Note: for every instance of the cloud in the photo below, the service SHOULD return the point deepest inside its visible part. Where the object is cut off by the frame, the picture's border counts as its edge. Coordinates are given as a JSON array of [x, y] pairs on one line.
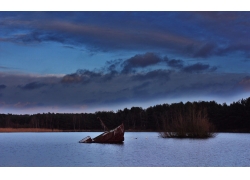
[[150, 78], [81, 75], [174, 63], [192, 34], [6, 68], [72, 78], [140, 61], [234, 48], [139, 68], [150, 59], [69, 47], [2, 86], [32, 86], [121, 89], [38, 36], [3, 67], [198, 67], [154, 75], [113, 65], [206, 50], [99, 35]]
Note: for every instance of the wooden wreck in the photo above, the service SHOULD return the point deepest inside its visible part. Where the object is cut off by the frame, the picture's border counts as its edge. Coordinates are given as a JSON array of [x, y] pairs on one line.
[[113, 136]]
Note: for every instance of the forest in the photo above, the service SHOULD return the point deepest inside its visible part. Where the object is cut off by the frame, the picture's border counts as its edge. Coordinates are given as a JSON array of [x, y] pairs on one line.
[[225, 118]]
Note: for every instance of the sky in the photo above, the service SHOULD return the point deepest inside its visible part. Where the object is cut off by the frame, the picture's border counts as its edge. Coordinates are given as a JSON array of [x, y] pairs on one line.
[[88, 61]]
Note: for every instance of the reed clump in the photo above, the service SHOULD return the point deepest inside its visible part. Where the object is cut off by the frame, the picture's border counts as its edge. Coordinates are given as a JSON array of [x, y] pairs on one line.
[[187, 122]]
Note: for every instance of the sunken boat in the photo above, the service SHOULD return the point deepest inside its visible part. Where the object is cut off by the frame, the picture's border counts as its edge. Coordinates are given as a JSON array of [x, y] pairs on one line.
[[111, 136]]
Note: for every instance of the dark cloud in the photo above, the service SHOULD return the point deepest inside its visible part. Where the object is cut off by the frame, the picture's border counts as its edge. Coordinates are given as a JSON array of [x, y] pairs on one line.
[[113, 65], [212, 69], [120, 89], [72, 78], [233, 48], [173, 31], [81, 76], [202, 50], [193, 68], [136, 67], [29, 38], [206, 50], [2, 86], [140, 61], [109, 76], [155, 75], [197, 68], [3, 67], [32, 86], [39, 36], [69, 47], [139, 78], [174, 63], [99, 35], [7, 68]]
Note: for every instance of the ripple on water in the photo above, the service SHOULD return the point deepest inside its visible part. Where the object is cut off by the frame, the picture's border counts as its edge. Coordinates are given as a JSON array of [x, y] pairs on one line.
[[143, 149]]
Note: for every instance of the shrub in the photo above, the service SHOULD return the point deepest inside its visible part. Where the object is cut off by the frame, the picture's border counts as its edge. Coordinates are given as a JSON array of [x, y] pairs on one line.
[[186, 122]]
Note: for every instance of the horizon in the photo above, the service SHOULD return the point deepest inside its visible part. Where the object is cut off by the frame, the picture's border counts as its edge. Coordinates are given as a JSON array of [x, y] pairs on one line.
[[89, 61]]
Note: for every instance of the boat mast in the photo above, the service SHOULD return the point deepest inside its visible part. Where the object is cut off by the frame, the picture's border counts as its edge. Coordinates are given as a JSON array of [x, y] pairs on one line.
[[103, 125]]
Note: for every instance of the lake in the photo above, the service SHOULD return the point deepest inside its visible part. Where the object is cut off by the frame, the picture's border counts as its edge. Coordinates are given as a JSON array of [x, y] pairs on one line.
[[140, 149]]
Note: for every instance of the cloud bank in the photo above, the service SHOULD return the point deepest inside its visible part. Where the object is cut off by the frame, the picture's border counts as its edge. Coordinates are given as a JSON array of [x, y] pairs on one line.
[[192, 34], [121, 59], [134, 80]]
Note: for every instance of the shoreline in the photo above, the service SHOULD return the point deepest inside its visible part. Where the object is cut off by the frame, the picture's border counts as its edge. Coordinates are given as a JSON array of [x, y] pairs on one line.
[[9, 130], [4, 130]]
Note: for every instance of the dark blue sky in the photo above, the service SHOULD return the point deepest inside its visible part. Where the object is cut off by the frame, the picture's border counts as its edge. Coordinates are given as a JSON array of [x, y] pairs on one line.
[[89, 61]]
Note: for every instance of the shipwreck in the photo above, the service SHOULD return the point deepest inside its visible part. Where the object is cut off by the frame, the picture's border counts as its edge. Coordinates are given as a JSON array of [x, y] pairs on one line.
[[109, 136]]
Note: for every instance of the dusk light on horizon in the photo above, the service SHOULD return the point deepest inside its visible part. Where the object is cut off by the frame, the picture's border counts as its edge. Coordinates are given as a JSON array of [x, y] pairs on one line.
[[77, 62]]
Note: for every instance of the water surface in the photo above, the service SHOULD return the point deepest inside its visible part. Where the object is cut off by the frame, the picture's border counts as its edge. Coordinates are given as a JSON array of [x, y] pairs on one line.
[[140, 149]]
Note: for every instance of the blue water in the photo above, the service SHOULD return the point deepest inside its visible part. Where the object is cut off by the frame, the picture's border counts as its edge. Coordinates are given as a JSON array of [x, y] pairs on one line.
[[140, 149]]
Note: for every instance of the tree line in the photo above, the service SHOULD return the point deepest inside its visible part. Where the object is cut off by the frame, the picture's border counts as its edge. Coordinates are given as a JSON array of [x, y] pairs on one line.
[[225, 118]]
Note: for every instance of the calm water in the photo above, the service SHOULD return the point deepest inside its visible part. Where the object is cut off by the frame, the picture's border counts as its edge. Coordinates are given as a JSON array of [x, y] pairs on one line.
[[139, 149]]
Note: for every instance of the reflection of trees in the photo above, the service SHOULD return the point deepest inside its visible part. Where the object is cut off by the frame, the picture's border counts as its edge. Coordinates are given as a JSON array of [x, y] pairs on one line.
[[234, 117]]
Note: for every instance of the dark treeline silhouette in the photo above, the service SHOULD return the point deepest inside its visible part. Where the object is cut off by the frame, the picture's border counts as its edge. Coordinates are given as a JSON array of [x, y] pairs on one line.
[[225, 118]]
